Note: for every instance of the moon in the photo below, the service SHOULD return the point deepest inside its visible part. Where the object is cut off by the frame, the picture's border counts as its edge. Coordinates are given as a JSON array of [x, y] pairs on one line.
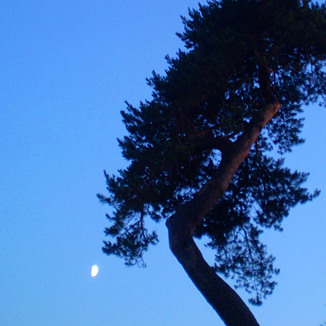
[[94, 270]]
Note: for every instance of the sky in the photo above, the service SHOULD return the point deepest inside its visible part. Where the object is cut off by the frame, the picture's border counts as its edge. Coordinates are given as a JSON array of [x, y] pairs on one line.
[[66, 68]]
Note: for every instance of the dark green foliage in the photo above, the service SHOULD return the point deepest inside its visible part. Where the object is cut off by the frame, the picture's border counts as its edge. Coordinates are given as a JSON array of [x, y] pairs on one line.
[[240, 55], [260, 196]]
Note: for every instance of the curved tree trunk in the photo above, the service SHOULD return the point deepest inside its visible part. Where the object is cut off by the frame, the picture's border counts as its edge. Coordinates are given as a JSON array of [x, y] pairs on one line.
[[226, 302], [183, 223]]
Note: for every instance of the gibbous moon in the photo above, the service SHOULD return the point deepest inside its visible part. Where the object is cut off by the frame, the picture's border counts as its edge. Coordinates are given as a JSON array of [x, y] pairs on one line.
[[94, 270]]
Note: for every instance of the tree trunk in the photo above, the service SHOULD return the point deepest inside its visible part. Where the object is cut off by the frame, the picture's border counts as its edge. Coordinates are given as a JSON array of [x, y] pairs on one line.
[[183, 223], [229, 306]]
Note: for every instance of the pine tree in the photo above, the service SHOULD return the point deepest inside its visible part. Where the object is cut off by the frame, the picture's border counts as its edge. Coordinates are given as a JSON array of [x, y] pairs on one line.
[[202, 151]]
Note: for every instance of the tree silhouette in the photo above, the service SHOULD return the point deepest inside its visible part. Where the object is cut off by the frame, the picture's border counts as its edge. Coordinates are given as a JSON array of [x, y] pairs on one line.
[[202, 150]]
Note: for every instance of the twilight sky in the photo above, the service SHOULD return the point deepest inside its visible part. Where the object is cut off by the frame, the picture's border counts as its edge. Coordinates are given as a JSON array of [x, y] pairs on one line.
[[66, 69]]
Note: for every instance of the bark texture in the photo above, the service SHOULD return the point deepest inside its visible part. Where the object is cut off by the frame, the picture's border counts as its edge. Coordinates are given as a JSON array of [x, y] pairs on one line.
[[224, 300]]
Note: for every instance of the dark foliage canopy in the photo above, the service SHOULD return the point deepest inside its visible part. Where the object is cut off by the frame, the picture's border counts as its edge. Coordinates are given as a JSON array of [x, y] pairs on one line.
[[238, 56]]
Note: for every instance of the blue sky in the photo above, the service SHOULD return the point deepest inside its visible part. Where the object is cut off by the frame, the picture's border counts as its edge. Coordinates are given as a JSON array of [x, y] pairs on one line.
[[66, 68]]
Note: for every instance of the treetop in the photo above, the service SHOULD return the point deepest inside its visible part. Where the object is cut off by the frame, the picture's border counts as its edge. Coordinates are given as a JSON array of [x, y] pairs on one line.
[[238, 56]]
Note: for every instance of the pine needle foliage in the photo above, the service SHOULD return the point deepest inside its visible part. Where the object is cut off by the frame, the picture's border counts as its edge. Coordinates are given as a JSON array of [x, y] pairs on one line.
[[239, 55]]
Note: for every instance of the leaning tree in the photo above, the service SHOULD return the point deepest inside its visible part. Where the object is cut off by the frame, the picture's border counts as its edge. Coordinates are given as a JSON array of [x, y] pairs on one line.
[[206, 150]]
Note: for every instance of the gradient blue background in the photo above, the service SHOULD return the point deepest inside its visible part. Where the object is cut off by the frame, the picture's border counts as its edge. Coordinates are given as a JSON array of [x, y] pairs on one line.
[[66, 68]]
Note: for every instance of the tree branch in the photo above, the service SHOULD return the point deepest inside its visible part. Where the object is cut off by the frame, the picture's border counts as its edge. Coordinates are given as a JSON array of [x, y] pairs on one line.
[[183, 223], [265, 79]]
